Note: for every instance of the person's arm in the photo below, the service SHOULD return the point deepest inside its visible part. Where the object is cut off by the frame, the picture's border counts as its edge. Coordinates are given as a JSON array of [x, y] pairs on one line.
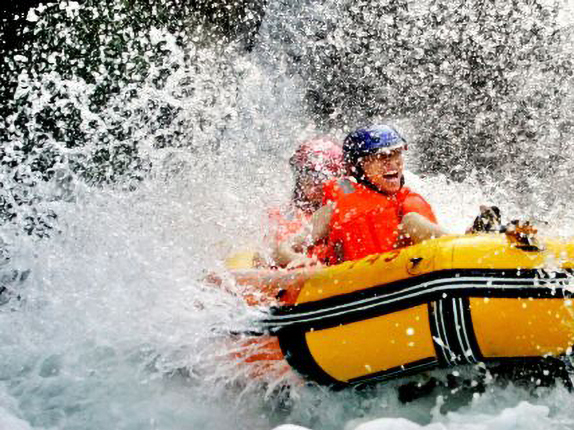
[[418, 228], [293, 249]]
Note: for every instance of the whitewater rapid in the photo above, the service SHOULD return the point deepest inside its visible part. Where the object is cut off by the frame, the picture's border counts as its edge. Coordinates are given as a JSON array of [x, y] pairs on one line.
[[108, 322], [116, 329]]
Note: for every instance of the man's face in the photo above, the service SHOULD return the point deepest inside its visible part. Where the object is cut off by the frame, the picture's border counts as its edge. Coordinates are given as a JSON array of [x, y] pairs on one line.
[[384, 170]]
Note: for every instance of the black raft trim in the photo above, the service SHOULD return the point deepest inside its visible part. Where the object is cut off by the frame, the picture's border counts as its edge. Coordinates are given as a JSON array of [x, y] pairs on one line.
[[404, 294], [453, 333], [296, 352], [467, 321]]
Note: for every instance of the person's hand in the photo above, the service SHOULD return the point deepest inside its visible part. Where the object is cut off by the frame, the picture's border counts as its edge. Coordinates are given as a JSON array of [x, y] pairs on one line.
[[489, 220]]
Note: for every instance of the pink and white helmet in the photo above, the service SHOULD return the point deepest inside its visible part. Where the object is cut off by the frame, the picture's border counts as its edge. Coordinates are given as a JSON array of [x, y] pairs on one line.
[[320, 155]]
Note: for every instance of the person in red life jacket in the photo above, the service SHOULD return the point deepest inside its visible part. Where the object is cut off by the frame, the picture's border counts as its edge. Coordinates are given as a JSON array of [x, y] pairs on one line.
[[370, 211], [313, 163]]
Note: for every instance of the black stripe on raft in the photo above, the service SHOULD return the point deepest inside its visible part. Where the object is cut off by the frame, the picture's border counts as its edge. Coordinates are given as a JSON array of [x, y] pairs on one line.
[[457, 328], [439, 341], [542, 276], [469, 330], [446, 318], [392, 297], [451, 329], [536, 277]]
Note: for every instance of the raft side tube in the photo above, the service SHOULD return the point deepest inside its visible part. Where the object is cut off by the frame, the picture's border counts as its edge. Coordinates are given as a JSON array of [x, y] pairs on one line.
[[442, 303]]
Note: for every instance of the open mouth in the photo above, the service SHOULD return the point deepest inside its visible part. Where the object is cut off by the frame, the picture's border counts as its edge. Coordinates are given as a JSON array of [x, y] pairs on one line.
[[391, 175]]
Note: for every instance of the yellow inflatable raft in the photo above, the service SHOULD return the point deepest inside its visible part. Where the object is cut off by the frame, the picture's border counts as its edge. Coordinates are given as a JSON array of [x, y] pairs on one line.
[[446, 302]]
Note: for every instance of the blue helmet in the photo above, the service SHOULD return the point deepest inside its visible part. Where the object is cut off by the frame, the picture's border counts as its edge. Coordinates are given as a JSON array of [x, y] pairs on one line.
[[369, 140]]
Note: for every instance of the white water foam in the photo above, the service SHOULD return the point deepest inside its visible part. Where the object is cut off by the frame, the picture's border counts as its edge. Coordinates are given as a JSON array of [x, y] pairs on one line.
[[115, 327]]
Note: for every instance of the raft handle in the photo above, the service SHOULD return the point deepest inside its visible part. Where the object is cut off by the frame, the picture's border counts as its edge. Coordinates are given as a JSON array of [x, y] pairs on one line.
[[416, 261]]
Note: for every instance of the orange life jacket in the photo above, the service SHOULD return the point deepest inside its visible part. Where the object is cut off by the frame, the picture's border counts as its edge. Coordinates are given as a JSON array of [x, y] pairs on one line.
[[367, 222], [290, 221]]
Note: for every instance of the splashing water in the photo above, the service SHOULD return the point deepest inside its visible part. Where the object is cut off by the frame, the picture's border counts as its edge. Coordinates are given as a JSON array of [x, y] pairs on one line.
[[140, 148]]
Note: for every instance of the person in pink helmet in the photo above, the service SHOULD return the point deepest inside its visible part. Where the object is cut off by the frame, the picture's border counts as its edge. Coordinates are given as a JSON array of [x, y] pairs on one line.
[[314, 162]]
